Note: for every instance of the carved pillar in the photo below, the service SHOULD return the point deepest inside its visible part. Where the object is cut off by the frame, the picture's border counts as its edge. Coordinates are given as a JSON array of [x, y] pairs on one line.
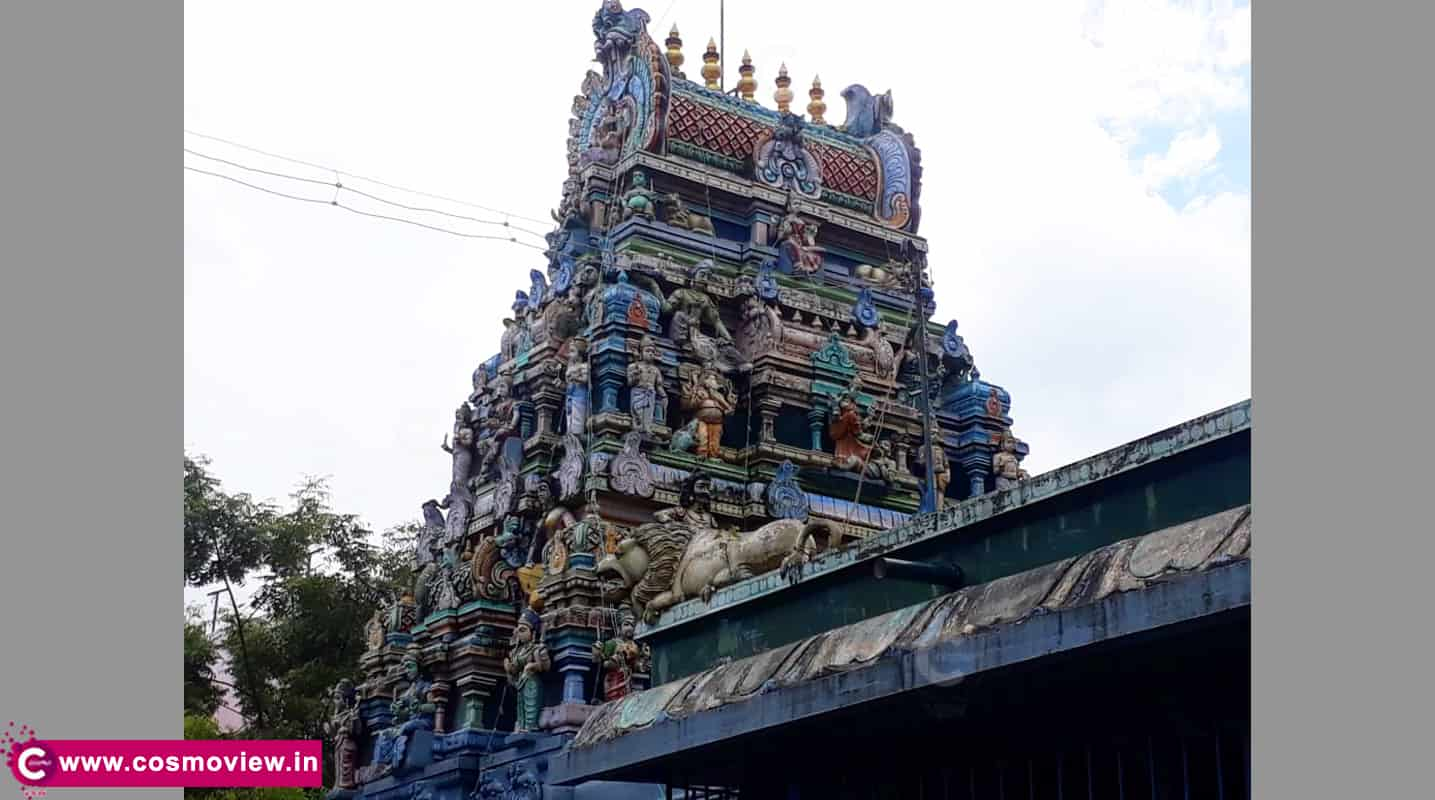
[[902, 448], [548, 401], [438, 695], [816, 417], [525, 419], [977, 467], [767, 410], [475, 689]]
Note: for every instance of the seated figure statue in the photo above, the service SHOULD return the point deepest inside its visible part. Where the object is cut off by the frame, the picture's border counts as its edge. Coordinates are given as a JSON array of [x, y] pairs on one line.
[[413, 711]]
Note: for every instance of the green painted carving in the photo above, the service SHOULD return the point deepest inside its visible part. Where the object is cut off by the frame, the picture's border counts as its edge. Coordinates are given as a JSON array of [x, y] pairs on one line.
[[834, 356]]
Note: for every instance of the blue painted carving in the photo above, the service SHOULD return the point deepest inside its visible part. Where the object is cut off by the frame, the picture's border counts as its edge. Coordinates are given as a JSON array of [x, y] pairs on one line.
[[952, 344], [539, 292], [766, 283], [866, 113], [864, 311], [785, 498], [520, 302], [783, 163], [623, 104], [618, 301], [895, 205]]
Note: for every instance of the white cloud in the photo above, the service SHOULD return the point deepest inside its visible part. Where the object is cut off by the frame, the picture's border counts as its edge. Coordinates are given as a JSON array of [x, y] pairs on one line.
[[1189, 156], [323, 343]]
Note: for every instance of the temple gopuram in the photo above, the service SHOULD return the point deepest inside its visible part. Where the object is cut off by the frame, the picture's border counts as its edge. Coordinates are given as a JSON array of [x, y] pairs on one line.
[[731, 516]]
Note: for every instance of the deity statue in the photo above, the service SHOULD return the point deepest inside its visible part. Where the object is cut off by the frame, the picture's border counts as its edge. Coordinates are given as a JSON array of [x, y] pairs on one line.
[[882, 466], [510, 540], [589, 534], [428, 551], [344, 728], [710, 396], [553, 520], [645, 386], [608, 135], [797, 249], [459, 500], [575, 374], [854, 444], [475, 398], [1006, 465], [413, 710], [502, 422], [462, 452], [942, 472], [694, 508], [526, 661], [374, 631], [698, 306], [761, 328], [446, 585], [621, 658], [640, 200]]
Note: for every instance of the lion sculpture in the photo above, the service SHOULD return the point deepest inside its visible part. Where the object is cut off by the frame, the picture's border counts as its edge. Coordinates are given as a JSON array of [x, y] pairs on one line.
[[664, 563]]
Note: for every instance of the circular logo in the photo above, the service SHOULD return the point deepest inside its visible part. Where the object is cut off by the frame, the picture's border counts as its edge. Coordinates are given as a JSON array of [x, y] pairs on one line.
[[34, 763]]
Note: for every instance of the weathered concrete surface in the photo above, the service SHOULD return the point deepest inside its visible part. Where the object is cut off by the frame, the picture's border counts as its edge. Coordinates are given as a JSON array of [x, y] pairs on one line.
[[1174, 575]]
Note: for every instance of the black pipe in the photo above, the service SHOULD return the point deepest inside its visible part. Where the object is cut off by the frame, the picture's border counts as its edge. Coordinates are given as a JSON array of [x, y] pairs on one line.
[[946, 575]]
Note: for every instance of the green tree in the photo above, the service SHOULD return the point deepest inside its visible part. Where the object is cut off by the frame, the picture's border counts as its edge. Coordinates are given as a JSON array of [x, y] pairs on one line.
[[202, 693], [322, 575]]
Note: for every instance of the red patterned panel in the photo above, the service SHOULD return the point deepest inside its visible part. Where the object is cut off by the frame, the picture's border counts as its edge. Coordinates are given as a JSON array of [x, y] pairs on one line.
[[718, 130], [712, 128], [844, 172]]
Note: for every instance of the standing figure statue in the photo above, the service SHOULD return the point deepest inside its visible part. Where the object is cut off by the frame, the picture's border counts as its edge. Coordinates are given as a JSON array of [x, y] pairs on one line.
[[710, 396], [459, 501], [344, 727], [621, 659], [854, 445], [525, 663], [941, 472], [1006, 465], [797, 249], [645, 386], [576, 375]]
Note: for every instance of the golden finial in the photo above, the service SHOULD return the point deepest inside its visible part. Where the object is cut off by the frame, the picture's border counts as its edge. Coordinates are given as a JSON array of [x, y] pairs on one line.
[[711, 70], [675, 52], [747, 84], [816, 108], [783, 95]]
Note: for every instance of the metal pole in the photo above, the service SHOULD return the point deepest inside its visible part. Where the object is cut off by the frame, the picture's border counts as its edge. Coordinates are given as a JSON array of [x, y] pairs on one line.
[[929, 494], [722, 46]]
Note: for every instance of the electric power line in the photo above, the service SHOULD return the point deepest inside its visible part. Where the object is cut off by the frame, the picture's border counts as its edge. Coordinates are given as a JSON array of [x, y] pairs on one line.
[[339, 186], [337, 204], [366, 178]]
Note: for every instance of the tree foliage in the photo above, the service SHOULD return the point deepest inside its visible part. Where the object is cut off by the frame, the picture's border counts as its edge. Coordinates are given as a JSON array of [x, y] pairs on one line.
[[322, 575]]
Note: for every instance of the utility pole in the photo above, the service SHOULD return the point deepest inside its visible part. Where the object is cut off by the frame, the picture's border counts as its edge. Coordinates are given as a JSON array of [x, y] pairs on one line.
[[924, 295]]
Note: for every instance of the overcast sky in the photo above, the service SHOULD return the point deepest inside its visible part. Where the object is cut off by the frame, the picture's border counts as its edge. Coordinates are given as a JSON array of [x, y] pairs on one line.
[[1086, 196]]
